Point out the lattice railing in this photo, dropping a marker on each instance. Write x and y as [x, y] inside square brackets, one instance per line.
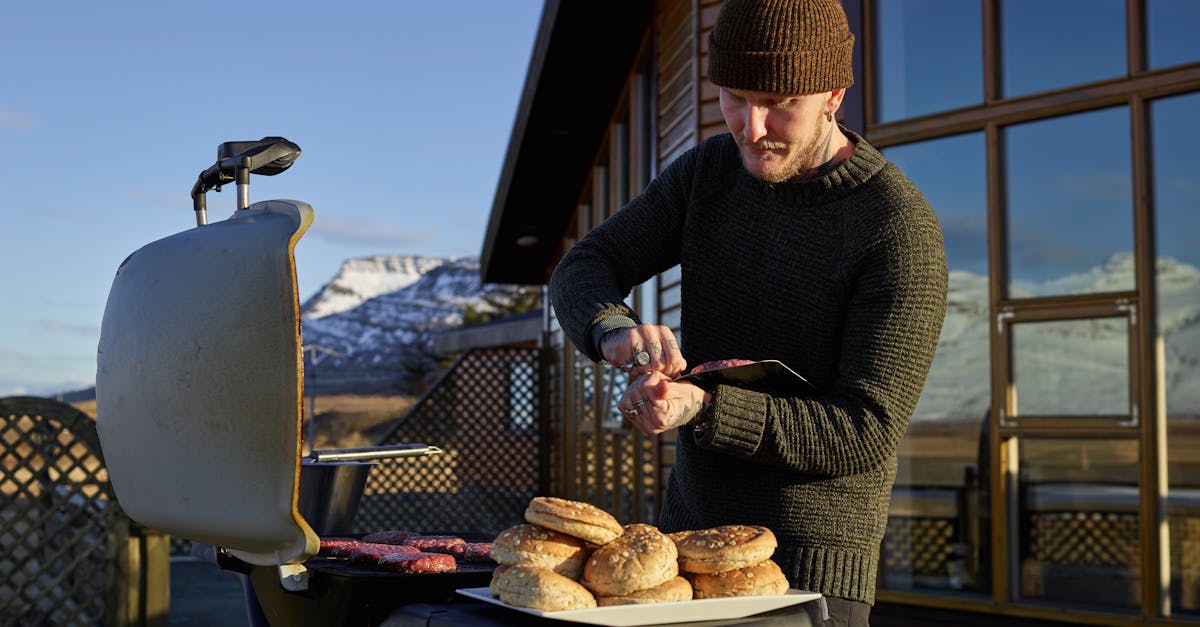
[484, 414]
[60, 527]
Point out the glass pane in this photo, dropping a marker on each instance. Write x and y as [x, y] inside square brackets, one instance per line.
[938, 535]
[1071, 367]
[1176, 196]
[1172, 26]
[1070, 207]
[1048, 45]
[1077, 529]
[929, 57]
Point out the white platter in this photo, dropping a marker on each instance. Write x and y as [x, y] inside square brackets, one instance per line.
[659, 613]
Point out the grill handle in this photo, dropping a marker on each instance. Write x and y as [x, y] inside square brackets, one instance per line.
[372, 453]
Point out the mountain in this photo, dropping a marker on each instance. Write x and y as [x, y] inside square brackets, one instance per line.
[371, 327]
[1072, 367]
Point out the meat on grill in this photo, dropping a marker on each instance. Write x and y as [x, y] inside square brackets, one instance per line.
[418, 563]
[479, 552]
[390, 537]
[435, 544]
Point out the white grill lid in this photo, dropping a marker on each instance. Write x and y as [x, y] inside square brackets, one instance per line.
[198, 385]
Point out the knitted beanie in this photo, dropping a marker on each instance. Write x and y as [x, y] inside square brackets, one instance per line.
[781, 46]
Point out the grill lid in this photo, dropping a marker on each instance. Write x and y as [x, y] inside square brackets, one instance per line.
[198, 385]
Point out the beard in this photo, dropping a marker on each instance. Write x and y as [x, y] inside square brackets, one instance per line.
[768, 160]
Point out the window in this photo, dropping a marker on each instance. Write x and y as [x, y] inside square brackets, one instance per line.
[929, 57]
[1078, 521]
[1172, 26]
[937, 536]
[1070, 204]
[1071, 367]
[1176, 196]
[1048, 45]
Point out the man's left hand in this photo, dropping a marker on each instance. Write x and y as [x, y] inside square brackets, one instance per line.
[654, 403]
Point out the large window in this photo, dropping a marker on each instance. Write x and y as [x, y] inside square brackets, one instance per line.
[1056, 141]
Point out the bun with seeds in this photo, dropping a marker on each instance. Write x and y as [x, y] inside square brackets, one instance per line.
[576, 518]
[675, 589]
[541, 589]
[763, 578]
[531, 545]
[727, 547]
[639, 559]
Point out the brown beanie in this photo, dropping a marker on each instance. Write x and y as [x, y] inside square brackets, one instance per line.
[781, 46]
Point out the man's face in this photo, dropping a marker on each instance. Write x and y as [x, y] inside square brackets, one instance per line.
[779, 135]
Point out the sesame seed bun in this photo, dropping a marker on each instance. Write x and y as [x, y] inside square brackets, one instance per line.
[531, 545]
[639, 559]
[763, 578]
[725, 548]
[541, 589]
[576, 518]
[675, 589]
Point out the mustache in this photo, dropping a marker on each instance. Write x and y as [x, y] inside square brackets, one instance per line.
[765, 144]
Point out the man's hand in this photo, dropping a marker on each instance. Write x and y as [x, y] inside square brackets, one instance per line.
[654, 403]
[622, 348]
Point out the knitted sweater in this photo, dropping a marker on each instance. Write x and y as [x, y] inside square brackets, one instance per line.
[843, 278]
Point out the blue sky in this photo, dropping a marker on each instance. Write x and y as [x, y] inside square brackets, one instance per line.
[108, 111]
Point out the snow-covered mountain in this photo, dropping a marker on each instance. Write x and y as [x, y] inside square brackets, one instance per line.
[1070, 367]
[372, 326]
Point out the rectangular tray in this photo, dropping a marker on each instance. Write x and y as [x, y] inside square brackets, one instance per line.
[660, 613]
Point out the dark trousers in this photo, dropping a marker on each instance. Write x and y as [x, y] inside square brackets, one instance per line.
[842, 613]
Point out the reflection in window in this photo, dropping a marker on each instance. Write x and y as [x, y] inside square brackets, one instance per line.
[1176, 198]
[1048, 45]
[1172, 26]
[938, 536]
[1077, 529]
[929, 57]
[1071, 367]
[1069, 201]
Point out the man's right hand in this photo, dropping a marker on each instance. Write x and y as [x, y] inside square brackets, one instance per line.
[620, 347]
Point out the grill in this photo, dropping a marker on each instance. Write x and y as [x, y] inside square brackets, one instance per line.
[200, 403]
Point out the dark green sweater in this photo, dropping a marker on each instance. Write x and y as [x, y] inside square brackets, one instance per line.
[843, 278]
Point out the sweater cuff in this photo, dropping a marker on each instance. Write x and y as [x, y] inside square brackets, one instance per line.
[736, 423]
[611, 323]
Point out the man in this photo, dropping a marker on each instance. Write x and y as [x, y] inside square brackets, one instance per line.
[796, 241]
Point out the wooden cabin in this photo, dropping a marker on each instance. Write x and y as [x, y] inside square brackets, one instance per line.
[1051, 473]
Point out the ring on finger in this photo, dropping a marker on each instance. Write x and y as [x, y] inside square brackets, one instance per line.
[639, 402]
[630, 412]
[641, 358]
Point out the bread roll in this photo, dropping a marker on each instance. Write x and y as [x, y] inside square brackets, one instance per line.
[763, 578]
[576, 518]
[675, 589]
[725, 548]
[531, 545]
[541, 589]
[640, 558]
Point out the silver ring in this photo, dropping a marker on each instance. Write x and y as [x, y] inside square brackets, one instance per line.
[642, 358]
[630, 412]
[639, 402]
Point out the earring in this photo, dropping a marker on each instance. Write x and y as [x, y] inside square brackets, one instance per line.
[828, 115]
